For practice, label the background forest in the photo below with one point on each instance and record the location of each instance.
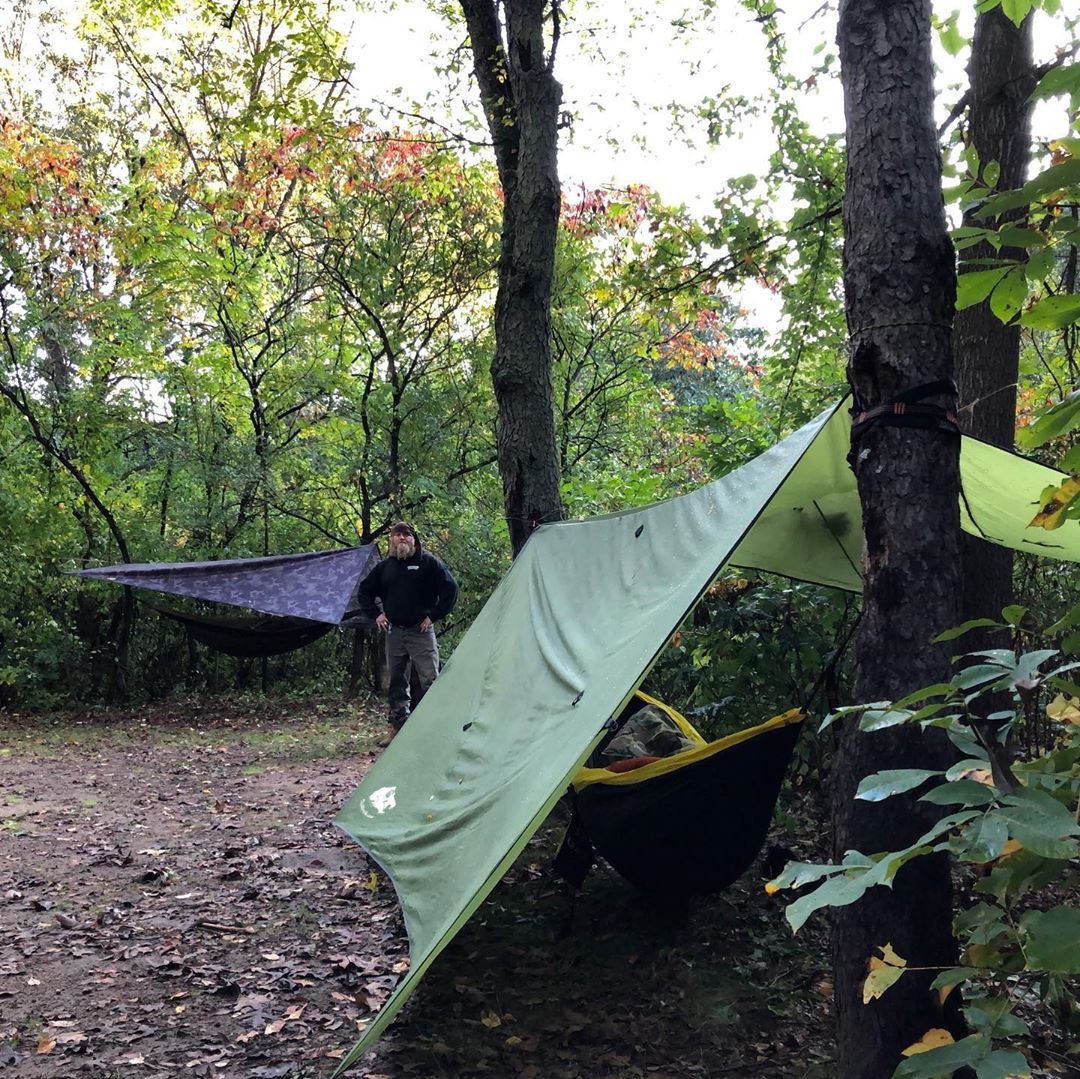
(240, 317)
(245, 312)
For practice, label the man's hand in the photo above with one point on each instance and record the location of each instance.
(381, 621)
(425, 625)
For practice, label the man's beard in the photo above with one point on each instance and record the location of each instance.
(402, 548)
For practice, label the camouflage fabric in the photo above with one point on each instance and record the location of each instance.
(647, 733)
(320, 586)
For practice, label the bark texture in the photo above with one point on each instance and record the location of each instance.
(900, 290)
(514, 67)
(1001, 77)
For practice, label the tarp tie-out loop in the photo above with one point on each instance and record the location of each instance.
(908, 409)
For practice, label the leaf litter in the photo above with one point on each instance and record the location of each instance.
(177, 901)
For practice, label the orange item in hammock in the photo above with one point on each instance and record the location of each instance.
(630, 764)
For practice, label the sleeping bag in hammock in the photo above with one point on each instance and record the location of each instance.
(682, 821)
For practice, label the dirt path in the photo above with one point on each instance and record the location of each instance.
(175, 900)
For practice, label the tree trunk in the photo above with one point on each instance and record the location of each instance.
(1001, 77)
(357, 656)
(900, 290)
(521, 99)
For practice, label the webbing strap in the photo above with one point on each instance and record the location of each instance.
(908, 409)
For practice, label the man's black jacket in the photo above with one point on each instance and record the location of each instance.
(411, 589)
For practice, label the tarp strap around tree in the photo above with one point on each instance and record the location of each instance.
(908, 409)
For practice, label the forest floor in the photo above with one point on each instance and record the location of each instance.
(175, 900)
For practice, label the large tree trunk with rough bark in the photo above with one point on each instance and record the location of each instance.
(1001, 77)
(900, 290)
(515, 70)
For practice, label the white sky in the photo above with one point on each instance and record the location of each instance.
(617, 85)
(614, 88)
(618, 79)
(613, 82)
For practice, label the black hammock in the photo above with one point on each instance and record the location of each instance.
(248, 636)
(298, 597)
(689, 823)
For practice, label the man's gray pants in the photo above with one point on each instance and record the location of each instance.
(406, 646)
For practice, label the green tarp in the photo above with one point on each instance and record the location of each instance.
(572, 630)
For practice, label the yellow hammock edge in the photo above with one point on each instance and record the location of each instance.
(586, 777)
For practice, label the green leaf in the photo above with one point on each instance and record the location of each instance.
(800, 874)
(1040, 823)
(935, 690)
(952, 41)
(1056, 178)
(968, 235)
(1015, 236)
(965, 792)
(981, 674)
(973, 288)
(1051, 939)
(844, 889)
(1052, 313)
(1014, 614)
(1071, 646)
(983, 840)
(1018, 874)
(1059, 177)
(1060, 80)
(1016, 10)
(1002, 657)
(980, 917)
(964, 627)
(994, 1016)
(1009, 296)
(957, 770)
(1069, 619)
(840, 891)
(952, 976)
(1003, 1064)
(1061, 418)
(1071, 463)
(935, 1063)
(882, 785)
(953, 820)
(1027, 666)
(1039, 266)
(877, 719)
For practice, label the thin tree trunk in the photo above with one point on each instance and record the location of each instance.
(521, 100)
(357, 655)
(900, 290)
(1001, 78)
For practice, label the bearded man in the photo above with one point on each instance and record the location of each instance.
(406, 593)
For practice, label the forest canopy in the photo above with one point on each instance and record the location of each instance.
(244, 311)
